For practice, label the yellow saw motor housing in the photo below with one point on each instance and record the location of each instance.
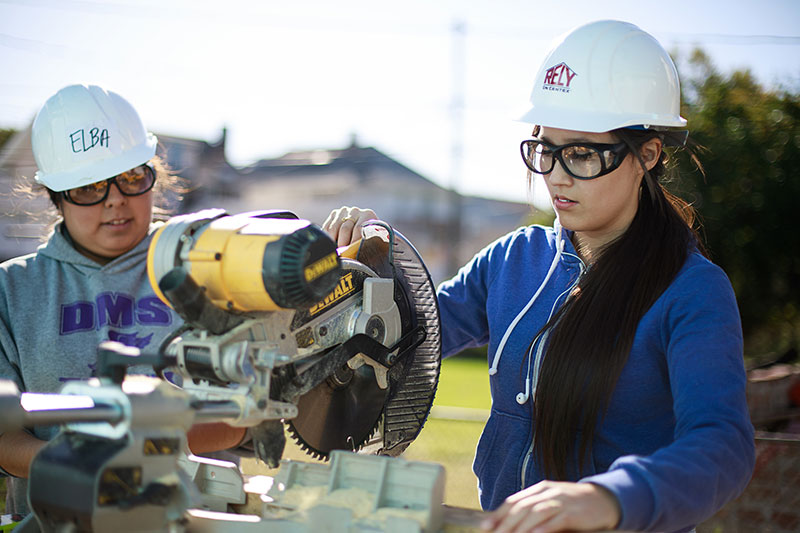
(247, 262)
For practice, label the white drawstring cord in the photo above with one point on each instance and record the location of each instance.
(537, 361)
(553, 265)
(522, 397)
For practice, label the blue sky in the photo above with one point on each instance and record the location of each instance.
(310, 74)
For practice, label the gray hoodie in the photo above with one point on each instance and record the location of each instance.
(57, 305)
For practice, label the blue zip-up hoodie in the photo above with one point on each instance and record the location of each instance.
(676, 443)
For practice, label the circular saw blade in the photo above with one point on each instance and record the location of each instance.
(344, 411)
(340, 413)
(413, 381)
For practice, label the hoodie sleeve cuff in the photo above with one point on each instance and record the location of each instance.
(636, 505)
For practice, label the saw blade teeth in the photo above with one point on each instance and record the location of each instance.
(303, 445)
(324, 456)
(405, 406)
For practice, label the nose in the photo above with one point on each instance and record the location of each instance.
(559, 176)
(115, 196)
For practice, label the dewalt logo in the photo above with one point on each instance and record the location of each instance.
(323, 266)
(342, 290)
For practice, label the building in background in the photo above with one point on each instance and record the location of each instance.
(23, 219)
(309, 183)
(312, 183)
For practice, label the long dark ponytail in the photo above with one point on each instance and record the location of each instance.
(592, 334)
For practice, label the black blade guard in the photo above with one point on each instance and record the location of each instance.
(349, 410)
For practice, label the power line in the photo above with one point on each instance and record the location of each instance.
(249, 16)
(750, 40)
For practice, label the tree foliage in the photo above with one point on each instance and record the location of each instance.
(749, 139)
(6, 134)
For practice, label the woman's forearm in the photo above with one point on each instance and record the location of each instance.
(17, 449)
(214, 437)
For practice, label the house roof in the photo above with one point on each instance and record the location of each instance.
(359, 160)
(17, 150)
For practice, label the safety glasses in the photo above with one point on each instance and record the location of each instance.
(583, 161)
(133, 182)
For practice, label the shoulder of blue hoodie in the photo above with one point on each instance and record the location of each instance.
(492, 287)
(694, 331)
(688, 345)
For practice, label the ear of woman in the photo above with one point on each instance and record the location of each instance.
(651, 152)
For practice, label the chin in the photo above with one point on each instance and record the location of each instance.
(568, 224)
(112, 252)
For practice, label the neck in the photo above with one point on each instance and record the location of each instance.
(589, 246)
(99, 259)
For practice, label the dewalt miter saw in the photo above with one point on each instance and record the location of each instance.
(280, 327)
(343, 346)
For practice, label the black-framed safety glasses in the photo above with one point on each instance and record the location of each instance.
(133, 182)
(581, 160)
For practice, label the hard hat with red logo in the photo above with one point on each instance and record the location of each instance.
(84, 134)
(606, 75)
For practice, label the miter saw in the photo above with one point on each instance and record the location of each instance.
(280, 327)
(342, 345)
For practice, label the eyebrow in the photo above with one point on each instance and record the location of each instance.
(568, 141)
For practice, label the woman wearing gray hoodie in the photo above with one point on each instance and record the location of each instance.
(88, 283)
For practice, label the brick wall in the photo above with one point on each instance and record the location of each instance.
(771, 501)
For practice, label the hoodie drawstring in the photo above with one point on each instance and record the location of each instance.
(507, 334)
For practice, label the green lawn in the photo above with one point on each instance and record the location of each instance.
(464, 382)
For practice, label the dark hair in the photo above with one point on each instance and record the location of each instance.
(592, 334)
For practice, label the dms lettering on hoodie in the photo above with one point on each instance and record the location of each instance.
(115, 309)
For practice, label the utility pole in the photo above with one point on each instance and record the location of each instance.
(458, 59)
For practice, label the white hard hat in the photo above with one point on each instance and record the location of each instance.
(606, 75)
(84, 134)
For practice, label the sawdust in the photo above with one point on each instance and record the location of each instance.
(381, 516)
(297, 500)
(359, 501)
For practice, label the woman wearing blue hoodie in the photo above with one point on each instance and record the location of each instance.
(615, 345)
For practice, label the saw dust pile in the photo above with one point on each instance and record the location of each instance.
(294, 502)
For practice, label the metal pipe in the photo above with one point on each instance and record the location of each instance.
(215, 411)
(99, 413)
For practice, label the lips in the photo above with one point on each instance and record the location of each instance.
(562, 202)
(117, 222)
